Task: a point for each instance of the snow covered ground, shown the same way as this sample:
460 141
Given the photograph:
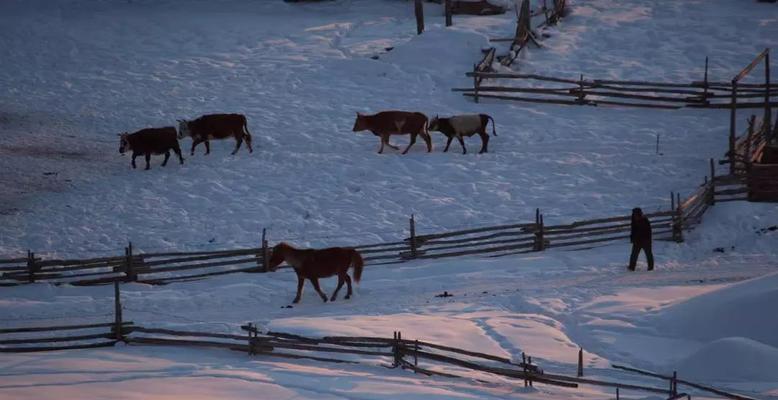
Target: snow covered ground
75 73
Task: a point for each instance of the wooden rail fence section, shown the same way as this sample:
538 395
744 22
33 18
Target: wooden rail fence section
415 355
493 241
646 94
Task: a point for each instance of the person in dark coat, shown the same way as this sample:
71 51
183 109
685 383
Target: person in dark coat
641 239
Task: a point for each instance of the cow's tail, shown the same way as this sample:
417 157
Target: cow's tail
246 129
357 262
494 128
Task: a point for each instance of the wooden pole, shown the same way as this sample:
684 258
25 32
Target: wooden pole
712 199
732 128
617 394
657 143
30 267
449 17
476 82
524 367
749 139
580 362
413 237
767 111
117 301
672 201
128 271
419 11
265 258
705 82
581 90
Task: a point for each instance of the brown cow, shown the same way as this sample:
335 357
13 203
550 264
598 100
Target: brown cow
151 141
386 123
216 126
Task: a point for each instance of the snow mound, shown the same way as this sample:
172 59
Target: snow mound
732 359
745 309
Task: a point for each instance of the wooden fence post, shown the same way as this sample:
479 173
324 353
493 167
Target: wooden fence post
617 394
545 12
732 127
524 368
712 199
678 224
117 302
476 82
31 267
674 385
412 240
264 250
419 11
767 112
580 362
128 267
749 140
581 90
539 241
449 17
705 83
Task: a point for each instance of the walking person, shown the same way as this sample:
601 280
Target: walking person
641 239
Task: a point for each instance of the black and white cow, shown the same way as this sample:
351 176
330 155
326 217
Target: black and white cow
151 141
460 126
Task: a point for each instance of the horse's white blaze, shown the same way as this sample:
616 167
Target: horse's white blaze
399 124
465 124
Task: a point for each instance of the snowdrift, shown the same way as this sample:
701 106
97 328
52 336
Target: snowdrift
732 359
745 309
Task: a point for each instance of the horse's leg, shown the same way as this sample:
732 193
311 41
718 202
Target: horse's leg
148 160
195 142
427 139
341 280
389 137
300 282
413 140
384 139
448 143
167 155
315 282
207 147
348 284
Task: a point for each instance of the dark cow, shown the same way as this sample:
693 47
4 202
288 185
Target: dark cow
151 141
216 126
468 125
387 123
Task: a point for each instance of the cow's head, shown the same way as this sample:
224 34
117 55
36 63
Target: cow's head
434 124
124 142
183 128
360 124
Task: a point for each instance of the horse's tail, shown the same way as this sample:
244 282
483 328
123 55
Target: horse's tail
357 263
246 129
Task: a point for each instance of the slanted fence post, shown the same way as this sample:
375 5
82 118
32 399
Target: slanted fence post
419 11
412 239
449 17
264 250
128 267
117 301
31 267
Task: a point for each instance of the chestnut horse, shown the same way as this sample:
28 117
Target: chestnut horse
314 264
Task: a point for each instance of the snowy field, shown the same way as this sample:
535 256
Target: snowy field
75 73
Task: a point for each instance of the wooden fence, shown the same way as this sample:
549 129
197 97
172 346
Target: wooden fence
415 355
646 94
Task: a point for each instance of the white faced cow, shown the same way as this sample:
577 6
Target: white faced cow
150 141
387 123
460 126
216 126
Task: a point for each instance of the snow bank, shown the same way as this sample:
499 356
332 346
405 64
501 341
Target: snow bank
746 309
732 359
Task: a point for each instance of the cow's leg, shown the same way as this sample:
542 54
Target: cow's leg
389 137
178 153
315 283
148 160
348 284
133 160
428 140
484 142
448 143
248 142
167 155
462 142
195 142
413 140
207 147
341 281
384 140
238 142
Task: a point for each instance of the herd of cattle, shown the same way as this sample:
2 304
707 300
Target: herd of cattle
383 124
